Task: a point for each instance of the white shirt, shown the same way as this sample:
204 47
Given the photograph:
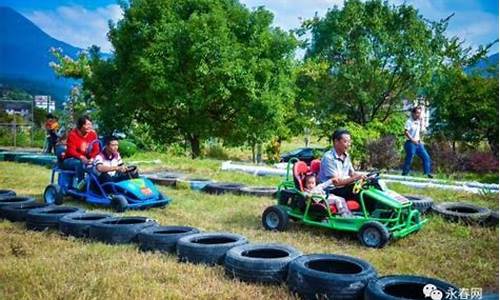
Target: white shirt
110 161
414 128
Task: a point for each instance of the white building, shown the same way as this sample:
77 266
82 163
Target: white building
45 102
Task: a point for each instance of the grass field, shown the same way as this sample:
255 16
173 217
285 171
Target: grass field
46 265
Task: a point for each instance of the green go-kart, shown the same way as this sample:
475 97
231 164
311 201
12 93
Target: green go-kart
378 215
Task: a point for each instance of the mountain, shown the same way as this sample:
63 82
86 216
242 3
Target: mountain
485 66
25 56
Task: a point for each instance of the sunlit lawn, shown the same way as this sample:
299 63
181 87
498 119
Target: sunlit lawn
49 266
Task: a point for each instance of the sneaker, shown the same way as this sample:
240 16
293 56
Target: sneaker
81 185
404 174
430 176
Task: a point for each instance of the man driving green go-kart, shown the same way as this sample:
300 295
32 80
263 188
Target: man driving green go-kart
376 213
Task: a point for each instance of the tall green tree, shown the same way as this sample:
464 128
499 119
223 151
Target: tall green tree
364 58
466 108
203 68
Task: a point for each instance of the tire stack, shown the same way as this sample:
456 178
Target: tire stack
218 188
165 178
466 212
43 218
422 203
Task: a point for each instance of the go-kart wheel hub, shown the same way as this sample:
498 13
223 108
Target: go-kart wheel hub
371 237
272 220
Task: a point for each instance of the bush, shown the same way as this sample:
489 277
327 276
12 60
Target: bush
444 159
23 137
360 137
272 149
382 153
481 162
127 148
216 151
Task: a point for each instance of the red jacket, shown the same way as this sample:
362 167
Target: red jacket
77 144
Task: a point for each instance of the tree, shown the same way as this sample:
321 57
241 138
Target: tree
364 58
466 108
196 69
80 100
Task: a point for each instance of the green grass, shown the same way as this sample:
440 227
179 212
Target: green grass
47 265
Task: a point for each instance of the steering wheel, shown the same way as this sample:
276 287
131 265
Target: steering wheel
358 184
131 169
373 174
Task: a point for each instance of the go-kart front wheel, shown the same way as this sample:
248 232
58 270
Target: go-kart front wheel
53 194
119 203
275 218
374 235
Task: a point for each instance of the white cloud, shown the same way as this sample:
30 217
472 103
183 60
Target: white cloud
288 13
470 22
77 25
82 27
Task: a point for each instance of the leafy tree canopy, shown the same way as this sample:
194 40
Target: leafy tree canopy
198 69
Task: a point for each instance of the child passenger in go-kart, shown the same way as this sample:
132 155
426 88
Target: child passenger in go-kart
109 165
312 189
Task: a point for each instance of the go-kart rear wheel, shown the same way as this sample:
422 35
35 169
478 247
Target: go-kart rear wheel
275 218
374 235
53 195
119 203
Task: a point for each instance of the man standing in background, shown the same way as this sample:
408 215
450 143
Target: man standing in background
413 130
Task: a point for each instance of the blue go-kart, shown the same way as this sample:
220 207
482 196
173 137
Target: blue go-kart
136 193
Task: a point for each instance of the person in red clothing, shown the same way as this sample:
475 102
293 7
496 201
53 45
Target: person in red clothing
79 140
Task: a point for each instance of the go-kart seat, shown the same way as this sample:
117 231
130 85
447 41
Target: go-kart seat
300 171
353 205
315 166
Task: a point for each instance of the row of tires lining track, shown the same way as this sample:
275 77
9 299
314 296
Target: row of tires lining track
456 211
310 276
182 181
453 211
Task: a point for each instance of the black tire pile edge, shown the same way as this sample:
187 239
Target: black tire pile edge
163 238
207 248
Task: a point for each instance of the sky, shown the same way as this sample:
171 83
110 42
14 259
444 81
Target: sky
83 23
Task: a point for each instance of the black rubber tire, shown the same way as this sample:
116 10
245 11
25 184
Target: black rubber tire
259 191
374 235
222 187
421 203
329 276
119 230
78 224
491 221
460 211
165 178
53 195
395 287
17 213
207 248
163 238
195 184
16 200
264 263
7 193
275 218
119 203
48 217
